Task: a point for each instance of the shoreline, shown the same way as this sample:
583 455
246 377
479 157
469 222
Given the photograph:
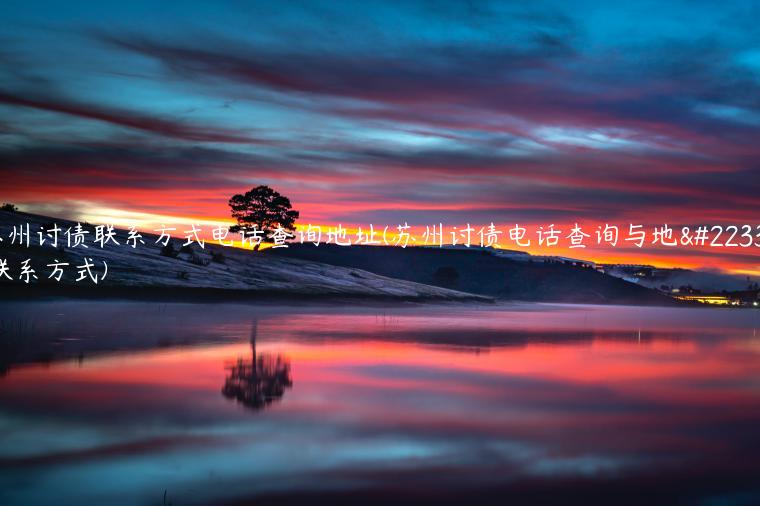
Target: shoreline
207 295
214 295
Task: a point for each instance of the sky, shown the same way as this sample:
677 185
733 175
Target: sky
527 113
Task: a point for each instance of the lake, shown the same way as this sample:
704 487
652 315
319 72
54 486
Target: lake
113 402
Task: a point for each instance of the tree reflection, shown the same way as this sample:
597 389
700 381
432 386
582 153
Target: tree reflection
260 381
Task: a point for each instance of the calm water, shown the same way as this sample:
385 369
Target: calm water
117 402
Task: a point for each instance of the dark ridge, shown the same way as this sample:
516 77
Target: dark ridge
479 271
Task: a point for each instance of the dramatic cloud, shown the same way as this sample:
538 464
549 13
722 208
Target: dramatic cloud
381 112
127 119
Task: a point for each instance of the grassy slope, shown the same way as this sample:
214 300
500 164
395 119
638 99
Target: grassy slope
144 268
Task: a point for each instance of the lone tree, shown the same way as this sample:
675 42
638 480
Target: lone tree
264 209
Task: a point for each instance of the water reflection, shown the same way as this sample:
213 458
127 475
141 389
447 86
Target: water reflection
260 381
516 404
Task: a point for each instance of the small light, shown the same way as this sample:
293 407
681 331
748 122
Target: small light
756 304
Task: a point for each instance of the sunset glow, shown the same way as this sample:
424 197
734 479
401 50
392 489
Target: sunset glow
389 114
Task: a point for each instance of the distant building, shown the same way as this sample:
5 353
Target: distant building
746 298
719 300
575 262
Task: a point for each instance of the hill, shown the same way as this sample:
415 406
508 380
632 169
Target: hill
195 273
481 272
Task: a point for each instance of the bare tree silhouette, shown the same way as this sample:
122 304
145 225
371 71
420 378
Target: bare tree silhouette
260 381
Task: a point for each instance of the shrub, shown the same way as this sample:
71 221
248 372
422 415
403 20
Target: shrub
199 259
446 276
169 251
9 208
